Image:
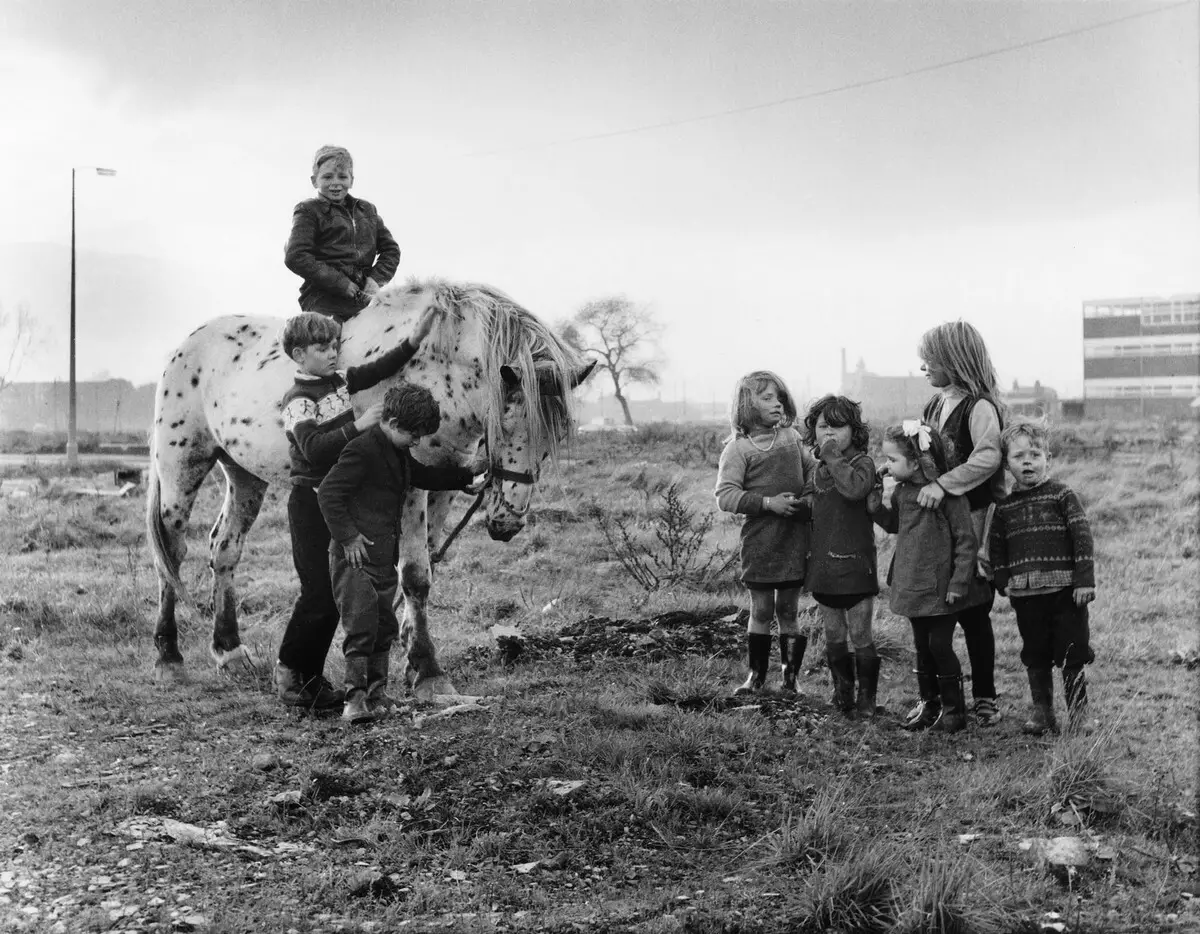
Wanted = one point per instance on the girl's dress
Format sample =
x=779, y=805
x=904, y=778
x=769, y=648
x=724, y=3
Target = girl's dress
x=842, y=559
x=767, y=463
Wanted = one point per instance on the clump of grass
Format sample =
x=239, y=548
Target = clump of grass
x=935, y=904
x=1079, y=772
x=855, y=894
x=690, y=687
x=810, y=838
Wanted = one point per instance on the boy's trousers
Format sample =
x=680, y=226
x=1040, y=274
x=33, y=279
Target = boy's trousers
x=364, y=596
x=314, y=618
x=1054, y=631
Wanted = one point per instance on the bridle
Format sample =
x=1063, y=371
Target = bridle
x=495, y=472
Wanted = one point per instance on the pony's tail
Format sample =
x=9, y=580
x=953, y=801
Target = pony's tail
x=156, y=533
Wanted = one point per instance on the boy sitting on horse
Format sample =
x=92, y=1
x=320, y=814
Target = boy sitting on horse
x=339, y=245
x=362, y=498
x=319, y=421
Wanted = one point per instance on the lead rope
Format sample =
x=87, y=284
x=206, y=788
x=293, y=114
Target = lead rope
x=462, y=524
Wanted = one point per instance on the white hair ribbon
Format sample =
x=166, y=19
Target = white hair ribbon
x=913, y=428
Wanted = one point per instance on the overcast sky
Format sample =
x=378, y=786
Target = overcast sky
x=775, y=180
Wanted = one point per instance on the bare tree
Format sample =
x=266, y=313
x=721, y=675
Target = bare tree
x=623, y=337
x=16, y=339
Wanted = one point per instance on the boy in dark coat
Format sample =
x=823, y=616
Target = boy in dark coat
x=361, y=499
x=339, y=245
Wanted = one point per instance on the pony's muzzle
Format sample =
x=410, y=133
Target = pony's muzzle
x=505, y=529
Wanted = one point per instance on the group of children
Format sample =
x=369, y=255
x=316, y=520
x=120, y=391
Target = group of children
x=809, y=490
x=349, y=474
x=812, y=496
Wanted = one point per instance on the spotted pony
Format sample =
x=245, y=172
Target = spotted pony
x=501, y=378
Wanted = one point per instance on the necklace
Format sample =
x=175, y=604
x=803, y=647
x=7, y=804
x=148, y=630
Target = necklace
x=774, y=438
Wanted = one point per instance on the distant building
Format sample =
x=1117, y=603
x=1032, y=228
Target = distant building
x=1141, y=356
x=1036, y=401
x=111, y=406
x=885, y=399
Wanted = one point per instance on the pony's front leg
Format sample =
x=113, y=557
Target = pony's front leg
x=422, y=670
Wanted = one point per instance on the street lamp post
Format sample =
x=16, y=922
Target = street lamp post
x=72, y=437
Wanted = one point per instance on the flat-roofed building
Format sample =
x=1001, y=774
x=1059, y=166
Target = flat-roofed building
x=1141, y=356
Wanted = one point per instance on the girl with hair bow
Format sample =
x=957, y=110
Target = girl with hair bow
x=931, y=569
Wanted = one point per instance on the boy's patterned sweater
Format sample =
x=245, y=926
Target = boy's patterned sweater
x=1041, y=539
x=318, y=416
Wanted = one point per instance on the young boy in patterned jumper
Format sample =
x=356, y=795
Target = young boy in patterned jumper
x=1041, y=550
x=319, y=421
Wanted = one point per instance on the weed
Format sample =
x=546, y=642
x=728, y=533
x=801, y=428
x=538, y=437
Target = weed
x=678, y=556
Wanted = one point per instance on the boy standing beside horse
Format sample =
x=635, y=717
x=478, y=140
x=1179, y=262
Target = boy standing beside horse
x=319, y=421
x=361, y=499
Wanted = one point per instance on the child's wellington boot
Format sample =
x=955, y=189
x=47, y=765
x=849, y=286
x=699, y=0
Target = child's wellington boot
x=1041, y=693
x=791, y=653
x=868, y=684
x=378, y=700
x=841, y=668
x=1075, y=689
x=954, y=705
x=356, y=709
x=928, y=708
x=758, y=658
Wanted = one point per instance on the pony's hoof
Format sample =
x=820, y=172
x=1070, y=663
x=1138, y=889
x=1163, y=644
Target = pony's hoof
x=170, y=672
x=427, y=691
x=238, y=654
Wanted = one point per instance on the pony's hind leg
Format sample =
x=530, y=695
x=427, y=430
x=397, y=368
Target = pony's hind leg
x=174, y=484
x=243, y=499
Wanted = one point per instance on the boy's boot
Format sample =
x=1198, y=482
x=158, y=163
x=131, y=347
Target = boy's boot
x=928, y=708
x=378, y=699
x=841, y=667
x=1041, y=692
x=291, y=687
x=1075, y=689
x=791, y=652
x=868, y=683
x=758, y=657
x=324, y=696
x=954, y=705
x=355, y=709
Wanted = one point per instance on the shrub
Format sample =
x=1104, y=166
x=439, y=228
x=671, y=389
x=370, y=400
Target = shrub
x=678, y=552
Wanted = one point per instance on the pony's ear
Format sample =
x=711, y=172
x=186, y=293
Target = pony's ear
x=583, y=372
x=511, y=378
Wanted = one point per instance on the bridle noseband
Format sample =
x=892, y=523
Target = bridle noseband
x=495, y=472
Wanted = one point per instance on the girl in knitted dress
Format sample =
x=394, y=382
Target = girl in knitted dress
x=931, y=568
x=968, y=414
x=842, y=573
x=765, y=474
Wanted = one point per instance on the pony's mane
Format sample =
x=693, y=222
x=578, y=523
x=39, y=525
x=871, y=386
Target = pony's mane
x=512, y=336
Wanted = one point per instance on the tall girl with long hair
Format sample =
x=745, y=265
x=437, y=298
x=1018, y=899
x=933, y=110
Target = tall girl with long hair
x=968, y=414
x=765, y=474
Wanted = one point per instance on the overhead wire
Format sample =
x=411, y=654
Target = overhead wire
x=826, y=92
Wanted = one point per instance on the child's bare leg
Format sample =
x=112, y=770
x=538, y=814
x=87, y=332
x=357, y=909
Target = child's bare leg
x=758, y=640
x=792, y=642
x=866, y=660
x=837, y=656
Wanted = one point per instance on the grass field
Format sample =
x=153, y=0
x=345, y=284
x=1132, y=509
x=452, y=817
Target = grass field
x=594, y=790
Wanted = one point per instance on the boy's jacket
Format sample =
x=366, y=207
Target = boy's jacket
x=364, y=492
